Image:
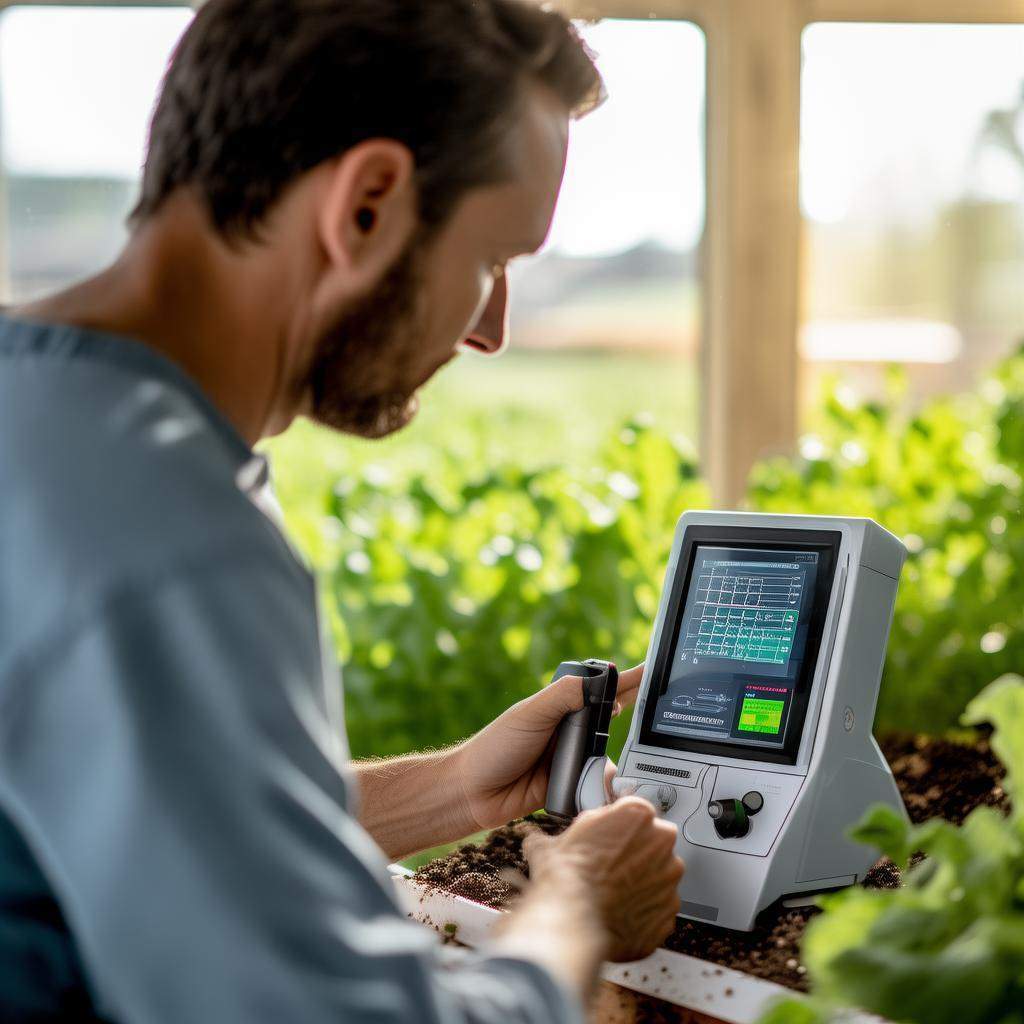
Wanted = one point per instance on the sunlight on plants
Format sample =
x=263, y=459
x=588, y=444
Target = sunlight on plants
x=453, y=587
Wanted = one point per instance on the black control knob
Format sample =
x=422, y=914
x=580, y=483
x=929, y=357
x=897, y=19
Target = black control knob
x=753, y=801
x=732, y=816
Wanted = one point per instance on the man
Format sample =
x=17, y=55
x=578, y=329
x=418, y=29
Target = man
x=331, y=194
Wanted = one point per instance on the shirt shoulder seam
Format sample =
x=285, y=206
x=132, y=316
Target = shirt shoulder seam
x=31, y=663
x=123, y=354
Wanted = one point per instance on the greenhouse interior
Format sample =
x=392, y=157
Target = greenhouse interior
x=668, y=666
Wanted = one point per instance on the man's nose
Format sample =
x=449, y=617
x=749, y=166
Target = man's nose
x=490, y=335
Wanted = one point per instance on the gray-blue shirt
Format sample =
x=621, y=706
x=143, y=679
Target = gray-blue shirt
x=177, y=839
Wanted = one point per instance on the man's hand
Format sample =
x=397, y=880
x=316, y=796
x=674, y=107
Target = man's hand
x=503, y=769
x=606, y=889
x=625, y=855
x=411, y=803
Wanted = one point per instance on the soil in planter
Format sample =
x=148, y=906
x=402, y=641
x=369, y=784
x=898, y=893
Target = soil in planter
x=487, y=872
x=941, y=779
x=937, y=778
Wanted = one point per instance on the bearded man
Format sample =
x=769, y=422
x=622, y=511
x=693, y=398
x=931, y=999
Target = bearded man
x=332, y=192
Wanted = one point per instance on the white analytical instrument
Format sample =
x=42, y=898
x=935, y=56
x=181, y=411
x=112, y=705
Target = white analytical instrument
x=752, y=731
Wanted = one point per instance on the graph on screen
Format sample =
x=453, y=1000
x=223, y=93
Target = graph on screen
x=743, y=614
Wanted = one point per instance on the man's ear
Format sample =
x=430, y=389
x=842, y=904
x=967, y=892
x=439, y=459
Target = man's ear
x=368, y=211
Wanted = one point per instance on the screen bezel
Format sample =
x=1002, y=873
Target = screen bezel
x=826, y=543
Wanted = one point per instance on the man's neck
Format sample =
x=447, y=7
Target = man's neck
x=221, y=314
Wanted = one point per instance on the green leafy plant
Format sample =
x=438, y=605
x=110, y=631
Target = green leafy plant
x=454, y=585
x=946, y=479
x=948, y=947
x=452, y=596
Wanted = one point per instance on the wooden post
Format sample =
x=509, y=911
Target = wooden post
x=979, y=12
x=750, y=360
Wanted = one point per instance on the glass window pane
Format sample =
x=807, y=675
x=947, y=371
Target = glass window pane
x=912, y=175
x=608, y=315
x=77, y=85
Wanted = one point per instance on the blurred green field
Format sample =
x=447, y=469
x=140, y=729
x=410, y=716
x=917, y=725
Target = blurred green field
x=527, y=408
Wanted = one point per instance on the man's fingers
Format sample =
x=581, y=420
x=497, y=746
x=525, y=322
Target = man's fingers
x=563, y=695
x=543, y=710
x=610, y=771
x=634, y=809
x=629, y=686
x=534, y=843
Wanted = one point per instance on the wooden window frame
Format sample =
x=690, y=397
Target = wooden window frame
x=750, y=364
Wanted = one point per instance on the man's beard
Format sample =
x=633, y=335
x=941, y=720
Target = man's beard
x=356, y=380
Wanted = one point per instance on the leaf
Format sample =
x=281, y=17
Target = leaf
x=943, y=842
x=995, y=862
x=847, y=918
x=885, y=829
x=1002, y=704
x=795, y=1011
x=957, y=986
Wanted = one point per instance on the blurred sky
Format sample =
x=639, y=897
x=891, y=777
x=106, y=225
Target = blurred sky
x=889, y=116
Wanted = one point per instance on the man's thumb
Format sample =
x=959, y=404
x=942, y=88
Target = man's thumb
x=557, y=699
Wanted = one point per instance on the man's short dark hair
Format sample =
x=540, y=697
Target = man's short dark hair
x=260, y=91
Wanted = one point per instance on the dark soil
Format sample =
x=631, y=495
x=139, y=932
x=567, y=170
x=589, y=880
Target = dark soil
x=487, y=873
x=940, y=779
x=937, y=778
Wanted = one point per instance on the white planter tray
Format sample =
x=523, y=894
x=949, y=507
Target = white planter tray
x=685, y=981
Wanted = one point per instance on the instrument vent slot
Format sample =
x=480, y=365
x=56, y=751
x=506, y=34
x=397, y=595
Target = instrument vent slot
x=677, y=773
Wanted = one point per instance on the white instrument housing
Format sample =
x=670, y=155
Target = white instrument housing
x=761, y=680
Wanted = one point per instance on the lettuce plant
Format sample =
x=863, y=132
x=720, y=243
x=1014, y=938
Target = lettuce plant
x=948, y=947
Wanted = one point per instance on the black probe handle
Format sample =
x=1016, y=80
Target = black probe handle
x=581, y=734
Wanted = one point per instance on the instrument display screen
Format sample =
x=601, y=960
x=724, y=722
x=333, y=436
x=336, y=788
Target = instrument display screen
x=745, y=631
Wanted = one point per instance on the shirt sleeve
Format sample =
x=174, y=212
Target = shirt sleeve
x=172, y=766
